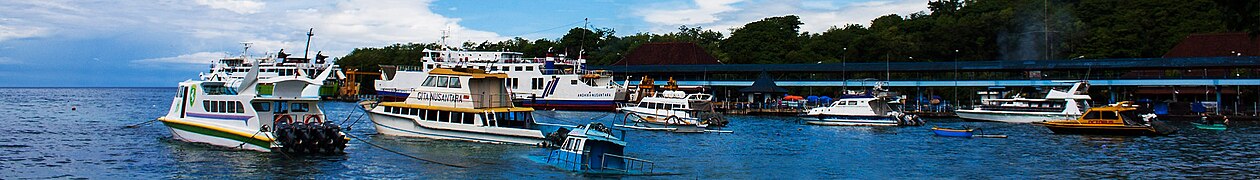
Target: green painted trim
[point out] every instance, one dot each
(220, 134)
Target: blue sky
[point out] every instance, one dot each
(55, 43)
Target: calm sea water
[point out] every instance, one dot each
(44, 138)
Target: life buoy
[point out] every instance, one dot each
(307, 120)
(283, 117)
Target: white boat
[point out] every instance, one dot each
(460, 104)
(234, 69)
(289, 119)
(552, 82)
(675, 108)
(1057, 105)
(862, 110)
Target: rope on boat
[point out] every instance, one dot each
(404, 154)
(138, 124)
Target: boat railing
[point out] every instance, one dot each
(630, 163)
(568, 162)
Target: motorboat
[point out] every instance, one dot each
(288, 120)
(593, 149)
(461, 104)
(870, 109)
(1056, 105)
(1115, 119)
(675, 108)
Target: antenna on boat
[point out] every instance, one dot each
(309, 33)
(245, 52)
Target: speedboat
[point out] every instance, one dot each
(288, 120)
(551, 82)
(675, 108)
(871, 109)
(1115, 119)
(461, 104)
(234, 69)
(592, 149)
(1057, 105)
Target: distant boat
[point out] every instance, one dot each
(1115, 119)
(1057, 105)
(947, 132)
(865, 110)
(1209, 126)
(676, 108)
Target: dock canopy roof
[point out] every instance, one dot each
(764, 84)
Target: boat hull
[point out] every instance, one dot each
(209, 134)
(951, 132)
(1104, 130)
(1012, 117)
(1219, 127)
(584, 105)
(400, 126)
(851, 121)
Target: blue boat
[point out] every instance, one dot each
(947, 132)
(592, 149)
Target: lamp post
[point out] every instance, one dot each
(956, 103)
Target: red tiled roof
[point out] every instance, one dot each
(1216, 45)
(668, 53)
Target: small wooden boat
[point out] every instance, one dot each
(1115, 119)
(947, 132)
(1220, 127)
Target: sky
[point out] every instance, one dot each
(87, 43)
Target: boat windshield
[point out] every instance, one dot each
(1131, 118)
(218, 90)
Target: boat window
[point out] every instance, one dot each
(441, 82)
(205, 105)
(300, 107)
(240, 108)
(428, 81)
(1109, 115)
(444, 116)
(430, 66)
(651, 105)
(573, 82)
(181, 92)
(505, 68)
(414, 111)
(231, 107)
(579, 144)
(456, 117)
(222, 106)
(518, 68)
(678, 106)
(431, 115)
(468, 118)
(853, 103)
(1091, 115)
(262, 106)
(454, 82)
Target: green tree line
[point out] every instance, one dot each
(965, 30)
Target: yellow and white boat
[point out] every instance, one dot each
(289, 119)
(461, 104)
(1115, 119)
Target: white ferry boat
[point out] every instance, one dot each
(461, 104)
(289, 119)
(871, 109)
(1057, 105)
(675, 108)
(552, 82)
(234, 69)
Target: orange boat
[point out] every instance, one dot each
(1115, 119)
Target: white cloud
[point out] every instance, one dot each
(382, 22)
(237, 6)
(194, 58)
(817, 15)
(11, 32)
(705, 11)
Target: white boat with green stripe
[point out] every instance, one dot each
(288, 119)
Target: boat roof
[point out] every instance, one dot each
(591, 134)
(475, 73)
(458, 109)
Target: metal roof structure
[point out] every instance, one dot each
(1008, 65)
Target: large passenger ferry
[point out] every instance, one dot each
(1057, 105)
(461, 104)
(234, 69)
(552, 82)
(289, 119)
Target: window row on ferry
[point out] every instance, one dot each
(663, 106)
(442, 82)
(502, 119)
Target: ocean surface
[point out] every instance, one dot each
(83, 133)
